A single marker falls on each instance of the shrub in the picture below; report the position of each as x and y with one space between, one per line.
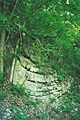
17 113
3 94
17 89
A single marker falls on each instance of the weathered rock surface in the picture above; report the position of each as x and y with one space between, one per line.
40 86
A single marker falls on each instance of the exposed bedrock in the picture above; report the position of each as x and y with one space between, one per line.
39 85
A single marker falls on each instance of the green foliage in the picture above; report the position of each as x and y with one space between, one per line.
17 113
3 94
2 80
43 116
60 78
17 89
71 103
49 33
1 76
3 19
32 103
52 100
66 104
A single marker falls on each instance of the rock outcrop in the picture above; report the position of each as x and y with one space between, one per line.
38 85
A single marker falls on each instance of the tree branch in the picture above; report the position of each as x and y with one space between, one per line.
14 7
36 8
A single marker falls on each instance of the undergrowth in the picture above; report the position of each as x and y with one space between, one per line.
35 109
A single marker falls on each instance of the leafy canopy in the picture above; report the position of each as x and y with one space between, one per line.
47 30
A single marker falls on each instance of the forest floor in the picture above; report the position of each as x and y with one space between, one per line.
28 109
11 98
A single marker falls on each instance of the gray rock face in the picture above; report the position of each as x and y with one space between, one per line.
38 85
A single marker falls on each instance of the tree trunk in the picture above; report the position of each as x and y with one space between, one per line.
12 70
13 65
2 44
